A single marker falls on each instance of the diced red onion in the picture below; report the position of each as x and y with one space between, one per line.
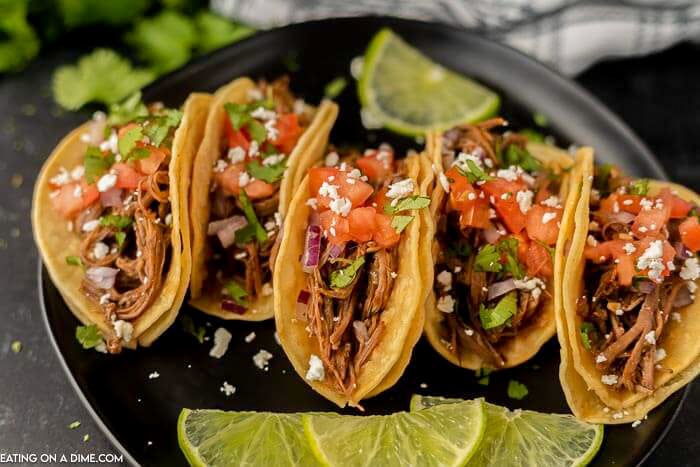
312 248
111 198
233 307
360 330
500 288
336 250
683 298
681 251
622 217
491 235
96 131
314 218
102 277
301 305
226 229
645 286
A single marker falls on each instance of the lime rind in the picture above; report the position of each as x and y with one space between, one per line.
424 96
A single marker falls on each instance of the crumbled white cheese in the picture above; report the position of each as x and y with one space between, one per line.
244 179
646 204
601 358
328 190
123 330
266 289
111 144
552 202
591 241
105 298
227 389
169 219
659 355
236 155
332 159
220 166
261 113
89 226
253 149
471 196
312 203
341 206
249 338
469 332
77 191
610 380
509 174
675 316
106 182
445 280
100 250
463 157
273 159
154 375
690 270
400 189
316 371
651 259
636 423
77 172
272 131
548 216
524 199
221 340
629 248
692 286
446 304
446 183
650 337
262 358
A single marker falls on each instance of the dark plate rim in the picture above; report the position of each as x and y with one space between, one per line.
568 84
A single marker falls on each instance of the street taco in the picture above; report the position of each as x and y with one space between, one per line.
110 218
348 283
259 141
496 206
628 295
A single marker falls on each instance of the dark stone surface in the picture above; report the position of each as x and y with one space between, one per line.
658 96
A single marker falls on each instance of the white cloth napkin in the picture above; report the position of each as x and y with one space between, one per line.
569 35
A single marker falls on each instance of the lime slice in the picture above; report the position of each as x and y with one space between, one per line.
405 91
442 435
527 438
217 438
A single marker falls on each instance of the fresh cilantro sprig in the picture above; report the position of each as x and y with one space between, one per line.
117 221
253 230
588 334
96 164
640 187
500 314
128 110
516 390
407 204
237 292
159 126
191 328
515 155
73 260
88 336
341 278
489 258
399 223
267 173
240 117
473 172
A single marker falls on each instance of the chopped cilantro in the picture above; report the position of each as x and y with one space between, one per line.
159 126
488 259
399 223
475 173
343 277
640 187
268 173
516 389
16 346
96 163
190 328
335 87
216 31
128 110
116 221
236 292
74 425
18 40
483 376
253 229
406 204
515 155
73 260
120 237
586 330
89 336
509 249
540 119
86 438
532 135
257 131
127 141
237 114
500 314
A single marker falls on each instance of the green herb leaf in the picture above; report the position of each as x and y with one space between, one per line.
483 376
159 126
406 204
116 221
127 142
640 187
120 237
89 336
509 248
586 330
253 229
238 114
399 223
256 130
532 135
601 181
335 87
102 76
190 328
96 164
129 110
474 172
86 438
137 154
18 41
268 173
86 12
216 31
516 390
73 261
500 314
74 425
515 155
236 292
341 278
16 346
488 259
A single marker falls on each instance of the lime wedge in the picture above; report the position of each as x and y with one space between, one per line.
217 438
442 435
527 438
403 90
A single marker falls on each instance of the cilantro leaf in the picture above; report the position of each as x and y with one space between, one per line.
73 260
341 278
483 376
238 114
586 330
268 173
190 328
406 204
115 220
127 142
102 76
399 223
159 126
475 173
216 31
335 87
256 130
96 163
84 12
18 41
488 259
88 336
500 314
120 237
532 135
516 389
640 187
509 248
236 292
253 229
515 155
126 111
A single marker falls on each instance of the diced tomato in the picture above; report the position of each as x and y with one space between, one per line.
258 189
288 132
333 223
318 175
380 199
543 193
538 260
362 224
615 249
690 233
499 186
651 221
236 138
508 209
523 245
679 207
625 269
475 214
630 203
537 229
228 180
357 192
127 177
376 166
384 233
68 205
150 164
462 193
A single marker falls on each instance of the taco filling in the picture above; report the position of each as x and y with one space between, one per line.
117 201
495 229
244 223
641 265
360 204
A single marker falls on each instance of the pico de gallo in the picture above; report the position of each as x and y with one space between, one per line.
117 201
360 205
641 268
244 223
496 228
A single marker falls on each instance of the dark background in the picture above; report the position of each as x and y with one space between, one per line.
658 96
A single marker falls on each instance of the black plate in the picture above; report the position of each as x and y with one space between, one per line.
139 414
